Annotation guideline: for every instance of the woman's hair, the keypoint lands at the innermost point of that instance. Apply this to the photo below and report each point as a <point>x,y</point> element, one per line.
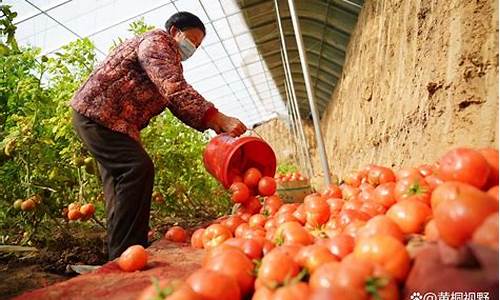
<point>184,20</point>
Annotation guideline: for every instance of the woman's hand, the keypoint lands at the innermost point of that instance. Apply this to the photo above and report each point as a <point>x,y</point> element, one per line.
<point>225,124</point>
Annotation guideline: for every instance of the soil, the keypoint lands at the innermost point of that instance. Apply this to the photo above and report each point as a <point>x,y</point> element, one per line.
<point>26,271</point>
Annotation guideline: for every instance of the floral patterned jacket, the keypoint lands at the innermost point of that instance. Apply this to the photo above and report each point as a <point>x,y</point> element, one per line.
<point>137,81</point>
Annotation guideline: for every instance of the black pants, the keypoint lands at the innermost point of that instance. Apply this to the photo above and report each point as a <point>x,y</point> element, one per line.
<point>127,174</point>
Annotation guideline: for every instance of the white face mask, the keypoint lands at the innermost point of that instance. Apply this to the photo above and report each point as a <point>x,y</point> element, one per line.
<point>186,47</point>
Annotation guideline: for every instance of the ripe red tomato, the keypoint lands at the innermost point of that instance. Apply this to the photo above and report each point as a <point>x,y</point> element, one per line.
<point>235,264</point>
<point>232,222</point>
<point>425,170</point>
<point>372,208</point>
<point>491,156</point>
<point>313,256</point>
<point>252,248</point>
<point>271,205</point>
<point>487,233</point>
<point>354,204</point>
<point>214,285</point>
<point>172,289</point>
<point>197,238</point>
<point>133,259</point>
<point>414,188</point>
<point>380,225</point>
<point>73,214</point>
<point>459,209</point>
<point>251,177</point>
<point>433,181</point>
<point>411,215</point>
<point>293,233</point>
<point>346,216</point>
<point>335,205</point>
<point>324,276</point>
<point>386,251</point>
<point>240,191</point>
<point>176,234</point>
<point>241,229</point>
<point>317,210</point>
<point>215,235</point>
<point>332,191</point>
<point>353,227</point>
<point>284,217</point>
<point>276,267</point>
<point>349,192</point>
<point>464,165</point>
<point>300,214</point>
<point>257,220</point>
<point>353,179</point>
<point>87,210</point>
<point>251,206</point>
<point>288,208</point>
<point>379,175</point>
<point>267,186</point>
<point>294,291</point>
<point>431,232</point>
<point>340,245</point>
<point>407,172</point>
<point>494,192</point>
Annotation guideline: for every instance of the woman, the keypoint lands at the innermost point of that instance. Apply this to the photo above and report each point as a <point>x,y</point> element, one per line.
<point>136,82</point>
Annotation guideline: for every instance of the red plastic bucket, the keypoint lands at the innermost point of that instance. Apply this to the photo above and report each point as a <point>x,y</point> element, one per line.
<point>225,157</point>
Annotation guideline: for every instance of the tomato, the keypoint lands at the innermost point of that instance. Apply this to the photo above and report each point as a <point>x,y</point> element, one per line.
<point>349,192</point>
<point>347,216</point>
<point>213,252</point>
<point>379,175</point>
<point>359,276</point>
<point>252,206</point>
<point>271,205</point>
<point>235,264</point>
<point>241,229</point>
<point>284,217</point>
<point>464,165</point>
<point>386,251</point>
<point>252,248</point>
<point>411,215</point>
<point>276,267</point>
<point>413,187</point>
<point>29,204</point>
<point>240,191</point>
<point>425,170</point>
<point>340,245</point>
<point>172,289</point>
<point>232,222</point>
<point>262,293</point>
<point>257,220</point>
<point>494,192</point>
<point>324,276</point>
<point>300,214</point>
<point>431,232</point>
<point>270,224</point>
<point>353,179</point>
<point>332,191</point>
<point>73,206</point>
<point>407,172</point>
<point>215,235</point>
<point>267,186</point>
<point>313,256</point>
<point>459,209</point>
<point>17,204</point>
<point>335,205</point>
<point>380,225</point>
<point>158,197</point>
<point>73,214</point>
<point>433,181</point>
<point>214,285</point>
<point>288,208</point>
<point>267,247</point>
<point>293,233</point>
<point>317,210</point>
<point>176,234</point>
<point>354,204</point>
<point>251,177</point>
<point>296,291</point>
<point>133,259</point>
<point>336,293</point>
<point>197,238</point>
<point>372,208</point>
<point>491,156</point>
<point>87,210</point>
<point>245,216</point>
<point>352,228</point>
<point>487,233</point>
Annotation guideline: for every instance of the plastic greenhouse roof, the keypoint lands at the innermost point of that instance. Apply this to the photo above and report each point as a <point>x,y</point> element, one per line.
<point>227,70</point>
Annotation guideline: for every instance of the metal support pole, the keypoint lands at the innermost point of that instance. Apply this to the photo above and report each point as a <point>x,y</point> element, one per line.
<point>309,90</point>
<point>289,78</point>
<point>293,123</point>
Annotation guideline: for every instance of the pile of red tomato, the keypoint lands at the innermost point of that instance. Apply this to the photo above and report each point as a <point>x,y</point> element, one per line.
<point>290,176</point>
<point>347,242</point>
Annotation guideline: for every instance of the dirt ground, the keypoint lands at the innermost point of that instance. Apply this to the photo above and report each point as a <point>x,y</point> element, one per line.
<point>25,271</point>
